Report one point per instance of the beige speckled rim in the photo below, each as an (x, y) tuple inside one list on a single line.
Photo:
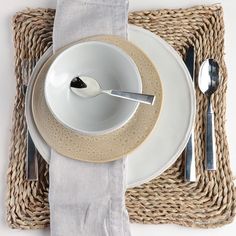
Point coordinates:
[(111, 146)]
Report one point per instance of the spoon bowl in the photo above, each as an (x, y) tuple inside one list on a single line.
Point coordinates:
[(85, 87), (209, 77)]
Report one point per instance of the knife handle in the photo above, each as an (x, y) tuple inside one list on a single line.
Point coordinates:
[(190, 167), (31, 160)]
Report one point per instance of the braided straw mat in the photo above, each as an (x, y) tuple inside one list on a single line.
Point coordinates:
[(210, 202)]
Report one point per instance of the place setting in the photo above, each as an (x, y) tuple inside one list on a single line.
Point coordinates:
[(119, 119)]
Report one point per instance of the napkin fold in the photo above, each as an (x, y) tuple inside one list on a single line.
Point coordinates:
[(76, 19), (87, 199)]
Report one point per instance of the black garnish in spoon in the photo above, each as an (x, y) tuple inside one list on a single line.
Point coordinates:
[(78, 83)]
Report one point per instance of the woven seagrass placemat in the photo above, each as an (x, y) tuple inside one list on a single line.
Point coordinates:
[(210, 202)]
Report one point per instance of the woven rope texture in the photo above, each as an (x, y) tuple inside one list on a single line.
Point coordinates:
[(210, 202)]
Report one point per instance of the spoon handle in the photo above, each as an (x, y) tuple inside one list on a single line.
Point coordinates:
[(137, 97), (210, 139)]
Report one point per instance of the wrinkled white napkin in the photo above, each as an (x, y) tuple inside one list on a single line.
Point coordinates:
[(87, 199), (76, 19)]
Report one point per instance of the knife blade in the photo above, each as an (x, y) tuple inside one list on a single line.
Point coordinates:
[(190, 61), (189, 152)]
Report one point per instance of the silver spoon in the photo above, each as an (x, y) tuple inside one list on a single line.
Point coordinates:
[(87, 87), (208, 82)]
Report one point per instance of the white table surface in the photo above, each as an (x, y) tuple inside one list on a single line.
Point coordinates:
[(7, 92)]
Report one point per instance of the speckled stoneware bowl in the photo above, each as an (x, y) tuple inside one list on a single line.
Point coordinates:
[(107, 147)]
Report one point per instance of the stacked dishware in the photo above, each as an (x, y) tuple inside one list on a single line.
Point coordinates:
[(51, 109), (95, 101)]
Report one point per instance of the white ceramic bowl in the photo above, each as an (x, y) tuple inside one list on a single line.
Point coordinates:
[(112, 68)]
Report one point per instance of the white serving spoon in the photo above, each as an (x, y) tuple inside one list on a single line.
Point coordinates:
[(87, 87)]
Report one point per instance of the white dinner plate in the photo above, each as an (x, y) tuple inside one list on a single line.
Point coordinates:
[(173, 128)]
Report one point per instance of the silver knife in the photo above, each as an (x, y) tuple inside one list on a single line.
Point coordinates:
[(31, 159), (189, 152)]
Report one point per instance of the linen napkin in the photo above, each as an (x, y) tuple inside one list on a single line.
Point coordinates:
[(87, 199)]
